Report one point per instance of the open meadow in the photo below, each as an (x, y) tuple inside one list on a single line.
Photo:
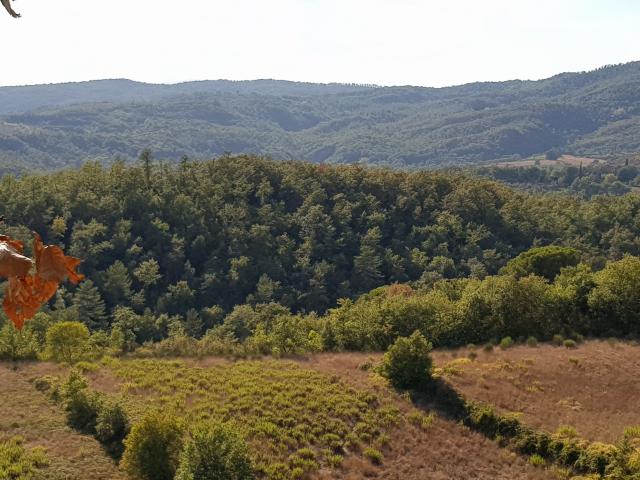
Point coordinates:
[(592, 387), (321, 417)]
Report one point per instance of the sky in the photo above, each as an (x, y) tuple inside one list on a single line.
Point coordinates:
[(384, 42)]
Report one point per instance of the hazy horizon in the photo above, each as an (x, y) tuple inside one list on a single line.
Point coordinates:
[(408, 42), (309, 82)]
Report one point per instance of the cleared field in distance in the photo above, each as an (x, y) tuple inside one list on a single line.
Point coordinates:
[(544, 162)]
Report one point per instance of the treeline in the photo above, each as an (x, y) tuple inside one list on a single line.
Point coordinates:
[(194, 240), (542, 294)]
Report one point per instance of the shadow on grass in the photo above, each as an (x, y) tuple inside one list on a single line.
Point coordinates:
[(442, 398)]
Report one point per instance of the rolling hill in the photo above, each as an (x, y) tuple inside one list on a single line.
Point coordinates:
[(594, 113)]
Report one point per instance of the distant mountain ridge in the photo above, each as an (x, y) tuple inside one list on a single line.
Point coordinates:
[(22, 99), (593, 113)]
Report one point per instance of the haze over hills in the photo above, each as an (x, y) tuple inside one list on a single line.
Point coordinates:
[(595, 113)]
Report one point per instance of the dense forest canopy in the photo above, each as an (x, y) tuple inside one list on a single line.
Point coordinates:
[(198, 238), (594, 113)]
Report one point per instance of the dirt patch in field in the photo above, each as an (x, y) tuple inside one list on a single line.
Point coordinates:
[(26, 412), (593, 387)]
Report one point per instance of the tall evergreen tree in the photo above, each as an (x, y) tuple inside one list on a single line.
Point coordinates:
[(367, 266), (117, 284), (91, 308)]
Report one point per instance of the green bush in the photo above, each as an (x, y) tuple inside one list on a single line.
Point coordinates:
[(112, 423), (506, 342), (214, 451), (16, 344), (407, 363), (152, 449), (532, 342), (569, 343), (18, 463), (82, 410), (67, 342), (374, 456), (536, 460)]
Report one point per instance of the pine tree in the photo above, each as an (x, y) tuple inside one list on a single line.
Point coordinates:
[(116, 284), (367, 266), (91, 309)]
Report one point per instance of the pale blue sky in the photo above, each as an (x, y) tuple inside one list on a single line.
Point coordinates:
[(387, 42)]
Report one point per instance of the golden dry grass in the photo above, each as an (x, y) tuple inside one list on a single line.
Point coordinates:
[(445, 450), (441, 449), (28, 413), (593, 387)]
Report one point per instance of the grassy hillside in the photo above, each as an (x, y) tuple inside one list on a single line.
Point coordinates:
[(330, 416), (301, 419), (588, 387), (28, 414), (594, 113)]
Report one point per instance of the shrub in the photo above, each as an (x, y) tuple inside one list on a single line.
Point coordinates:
[(214, 451), (18, 463), (506, 342), (16, 344), (407, 363), (557, 340), (373, 455), (532, 342), (152, 449), (569, 344), (421, 420), (536, 460), (596, 457), (82, 410), (67, 342), (82, 407), (112, 423)]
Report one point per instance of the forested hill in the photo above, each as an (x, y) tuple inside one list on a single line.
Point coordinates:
[(594, 114), (201, 237)]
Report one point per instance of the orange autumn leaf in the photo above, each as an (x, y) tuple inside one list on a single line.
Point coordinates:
[(23, 297), (53, 265), (12, 262), (26, 293)]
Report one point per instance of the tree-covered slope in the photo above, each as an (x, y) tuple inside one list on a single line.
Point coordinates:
[(220, 233), (594, 113)]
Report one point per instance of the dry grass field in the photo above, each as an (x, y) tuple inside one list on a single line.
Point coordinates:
[(446, 450), (593, 388), (327, 387), (28, 413)]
